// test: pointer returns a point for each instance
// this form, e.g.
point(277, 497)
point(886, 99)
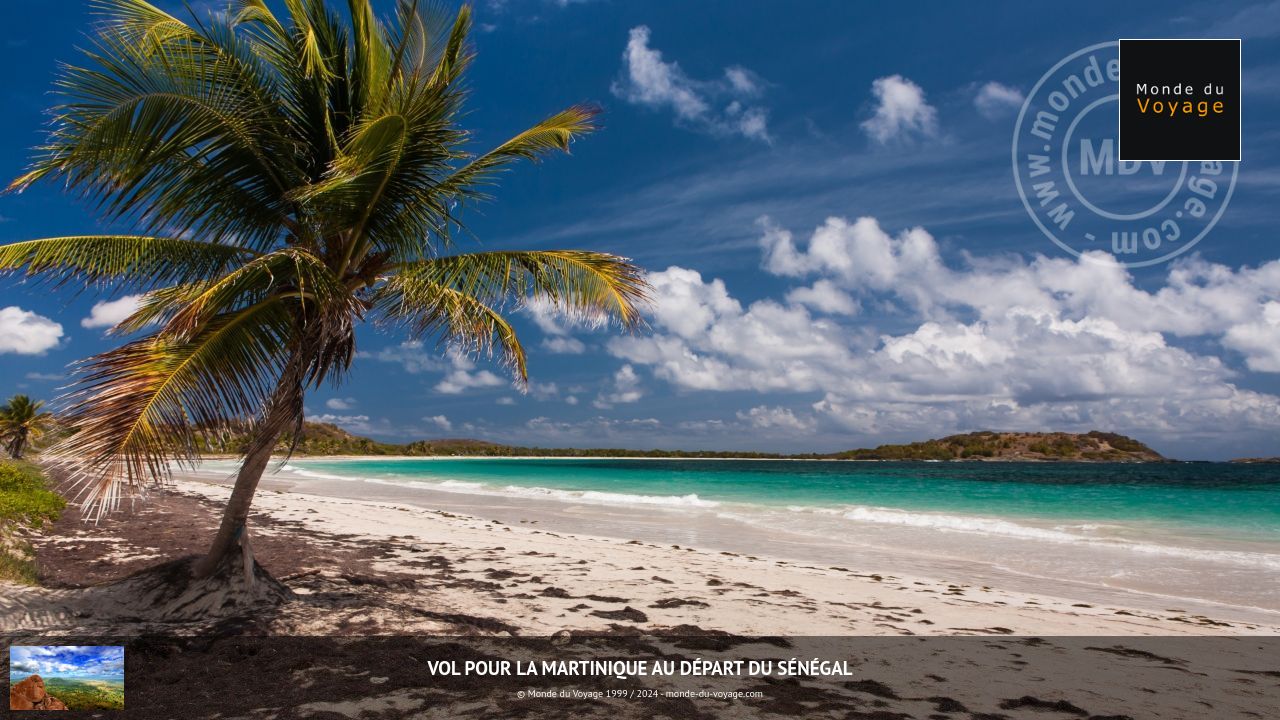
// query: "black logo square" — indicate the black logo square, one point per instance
point(1179, 100)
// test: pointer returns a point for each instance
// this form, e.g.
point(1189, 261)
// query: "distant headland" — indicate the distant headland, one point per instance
point(321, 439)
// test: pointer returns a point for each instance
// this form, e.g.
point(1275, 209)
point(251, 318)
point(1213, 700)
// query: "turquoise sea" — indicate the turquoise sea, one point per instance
point(1202, 530)
point(1210, 499)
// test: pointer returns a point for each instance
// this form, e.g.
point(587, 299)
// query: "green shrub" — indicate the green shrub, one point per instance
point(24, 499)
point(25, 502)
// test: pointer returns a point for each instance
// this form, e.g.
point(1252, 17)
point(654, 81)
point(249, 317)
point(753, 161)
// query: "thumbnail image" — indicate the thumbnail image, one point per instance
point(66, 677)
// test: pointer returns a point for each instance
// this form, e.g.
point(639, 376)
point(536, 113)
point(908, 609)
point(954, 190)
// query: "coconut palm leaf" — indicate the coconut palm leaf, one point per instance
point(459, 298)
point(141, 406)
point(127, 262)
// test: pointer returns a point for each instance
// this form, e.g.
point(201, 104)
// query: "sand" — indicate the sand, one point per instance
point(379, 588)
point(429, 571)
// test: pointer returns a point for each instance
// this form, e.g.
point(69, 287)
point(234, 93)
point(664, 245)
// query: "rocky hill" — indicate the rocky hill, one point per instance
point(29, 694)
point(1092, 446)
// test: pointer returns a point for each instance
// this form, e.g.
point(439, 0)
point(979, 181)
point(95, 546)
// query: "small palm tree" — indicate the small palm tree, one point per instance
point(285, 179)
point(21, 423)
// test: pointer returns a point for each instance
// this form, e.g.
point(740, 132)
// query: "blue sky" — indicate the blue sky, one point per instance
point(823, 196)
point(67, 661)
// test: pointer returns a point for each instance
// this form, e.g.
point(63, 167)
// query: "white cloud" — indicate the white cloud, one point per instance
point(719, 107)
point(440, 421)
point(564, 346)
point(69, 661)
point(901, 111)
point(596, 431)
point(464, 376)
point(742, 80)
point(412, 355)
point(775, 418)
point(626, 389)
point(1258, 339)
point(556, 323)
point(340, 403)
point(354, 423)
point(460, 372)
point(824, 296)
point(110, 313)
point(46, 377)
point(25, 333)
point(995, 101)
point(996, 342)
point(544, 391)
point(506, 400)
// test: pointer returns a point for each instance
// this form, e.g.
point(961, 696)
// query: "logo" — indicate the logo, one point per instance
point(1082, 196)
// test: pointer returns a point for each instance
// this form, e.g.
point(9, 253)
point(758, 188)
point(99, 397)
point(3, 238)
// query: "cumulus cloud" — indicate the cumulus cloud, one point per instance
point(411, 355)
point(720, 107)
point(626, 389)
point(995, 101)
point(995, 342)
point(564, 346)
point(340, 403)
point(460, 371)
point(464, 376)
point(556, 324)
point(1258, 339)
point(110, 313)
point(901, 111)
point(824, 296)
point(764, 417)
point(440, 421)
point(23, 332)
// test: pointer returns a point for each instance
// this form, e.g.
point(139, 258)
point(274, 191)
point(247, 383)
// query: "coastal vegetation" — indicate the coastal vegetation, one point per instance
point(280, 179)
point(1090, 446)
point(327, 439)
point(22, 421)
point(26, 505)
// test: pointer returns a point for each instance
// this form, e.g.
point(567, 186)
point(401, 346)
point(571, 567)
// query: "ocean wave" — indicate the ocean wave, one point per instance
point(594, 497)
point(609, 498)
point(976, 525)
point(1090, 534)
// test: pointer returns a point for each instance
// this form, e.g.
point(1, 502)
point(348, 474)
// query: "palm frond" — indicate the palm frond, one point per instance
point(582, 284)
point(460, 297)
point(289, 272)
point(143, 405)
point(555, 133)
point(126, 261)
point(455, 319)
point(174, 129)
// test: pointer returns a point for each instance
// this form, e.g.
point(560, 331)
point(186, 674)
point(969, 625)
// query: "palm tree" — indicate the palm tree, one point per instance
point(21, 422)
point(284, 179)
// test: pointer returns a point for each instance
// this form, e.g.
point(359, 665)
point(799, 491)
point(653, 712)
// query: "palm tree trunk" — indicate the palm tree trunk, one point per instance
point(19, 444)
point(281, 412)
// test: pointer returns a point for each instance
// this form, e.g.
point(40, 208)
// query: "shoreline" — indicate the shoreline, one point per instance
point(1057, 607)
point(1035, 461)
point(375, 565)
point(1153, 562)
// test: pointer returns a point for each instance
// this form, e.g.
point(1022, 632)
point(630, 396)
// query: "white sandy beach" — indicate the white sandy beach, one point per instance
point(543, 579)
